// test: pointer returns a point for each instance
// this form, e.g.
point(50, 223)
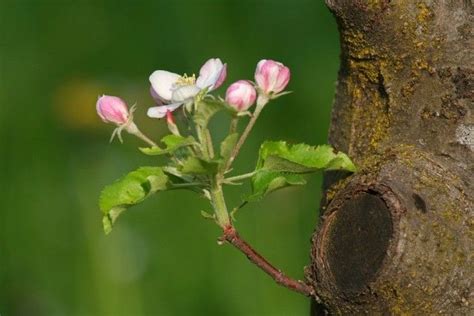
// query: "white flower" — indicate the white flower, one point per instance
point(163, 82)
point(212, 74)
point(160, 111)
point(174, 90)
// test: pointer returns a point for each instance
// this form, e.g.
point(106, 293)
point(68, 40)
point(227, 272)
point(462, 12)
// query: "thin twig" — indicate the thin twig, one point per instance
point(243, 137)
point(262, 100)
point(186, 185)
point(231, 236)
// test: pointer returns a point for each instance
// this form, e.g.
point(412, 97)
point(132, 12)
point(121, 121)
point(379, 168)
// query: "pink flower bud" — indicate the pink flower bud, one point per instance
point(271, 76)
point(112, 110)
point(170, 118)
point(241, 95)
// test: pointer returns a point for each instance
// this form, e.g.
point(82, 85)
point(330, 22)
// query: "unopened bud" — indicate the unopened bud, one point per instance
point(271, 76)
point(171, 123)
point(241, 95)
point(169, 117)
point(112, 110)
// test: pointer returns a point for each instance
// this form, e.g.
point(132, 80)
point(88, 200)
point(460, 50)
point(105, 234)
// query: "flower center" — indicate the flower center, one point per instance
point(184, 80)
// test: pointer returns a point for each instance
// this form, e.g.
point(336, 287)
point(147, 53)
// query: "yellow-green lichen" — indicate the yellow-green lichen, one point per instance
point(335, 188)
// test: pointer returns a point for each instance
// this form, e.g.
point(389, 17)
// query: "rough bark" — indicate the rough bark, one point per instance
point(397, 237)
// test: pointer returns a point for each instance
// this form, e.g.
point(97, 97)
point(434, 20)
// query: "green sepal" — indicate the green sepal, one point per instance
point(208, 215)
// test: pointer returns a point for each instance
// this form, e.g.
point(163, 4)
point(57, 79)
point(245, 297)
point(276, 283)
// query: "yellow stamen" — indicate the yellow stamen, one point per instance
point(184, 80)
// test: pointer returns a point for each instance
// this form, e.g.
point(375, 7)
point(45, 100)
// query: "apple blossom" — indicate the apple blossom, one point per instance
point(193, 162)
point(212, 74)
point(241, 95)
point(112, 110)
point(271, 76)
point(174, 90)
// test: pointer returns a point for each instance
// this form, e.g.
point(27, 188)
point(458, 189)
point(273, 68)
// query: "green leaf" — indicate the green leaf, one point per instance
point(109, 219)
point(130, 190)
point(281, 165)
point(302, 158)
point(172, 142)
point(198, 166)
point(207, 108)
point(176, 176)
point(228, 145)
point(267, 181)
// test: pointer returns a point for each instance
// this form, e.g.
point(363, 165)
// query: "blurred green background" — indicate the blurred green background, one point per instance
point(162, 257)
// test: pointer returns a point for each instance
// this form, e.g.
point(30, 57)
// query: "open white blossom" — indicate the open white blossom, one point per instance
point(173, 90)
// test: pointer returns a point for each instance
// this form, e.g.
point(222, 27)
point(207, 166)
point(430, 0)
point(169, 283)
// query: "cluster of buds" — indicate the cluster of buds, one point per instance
point(170, 91)
point(271, 78)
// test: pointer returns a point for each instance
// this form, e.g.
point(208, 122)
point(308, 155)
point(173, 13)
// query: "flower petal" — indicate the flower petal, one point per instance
point(155, 96)
point(163, 83)
point(184, 93)
point(221, 78)
point(260, 79)
point(212, 74)
point(160, 111)
point(282, 79)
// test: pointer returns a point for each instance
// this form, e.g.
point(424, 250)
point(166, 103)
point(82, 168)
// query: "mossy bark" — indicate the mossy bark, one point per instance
point(397, 237)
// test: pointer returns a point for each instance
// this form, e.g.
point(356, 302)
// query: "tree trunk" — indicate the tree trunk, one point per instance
point(397, 237)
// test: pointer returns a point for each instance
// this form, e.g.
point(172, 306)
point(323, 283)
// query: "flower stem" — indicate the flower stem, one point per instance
point(186, 185)
point(231, 236)
point(133, 129)
point(203, 140)
point(245, 134)
point(218, 201)
point(146, 139)
point(233, 125)
point(210, 146)
point(240, 177)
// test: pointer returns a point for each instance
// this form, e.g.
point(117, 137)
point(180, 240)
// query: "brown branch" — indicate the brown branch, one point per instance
point(231, 236)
